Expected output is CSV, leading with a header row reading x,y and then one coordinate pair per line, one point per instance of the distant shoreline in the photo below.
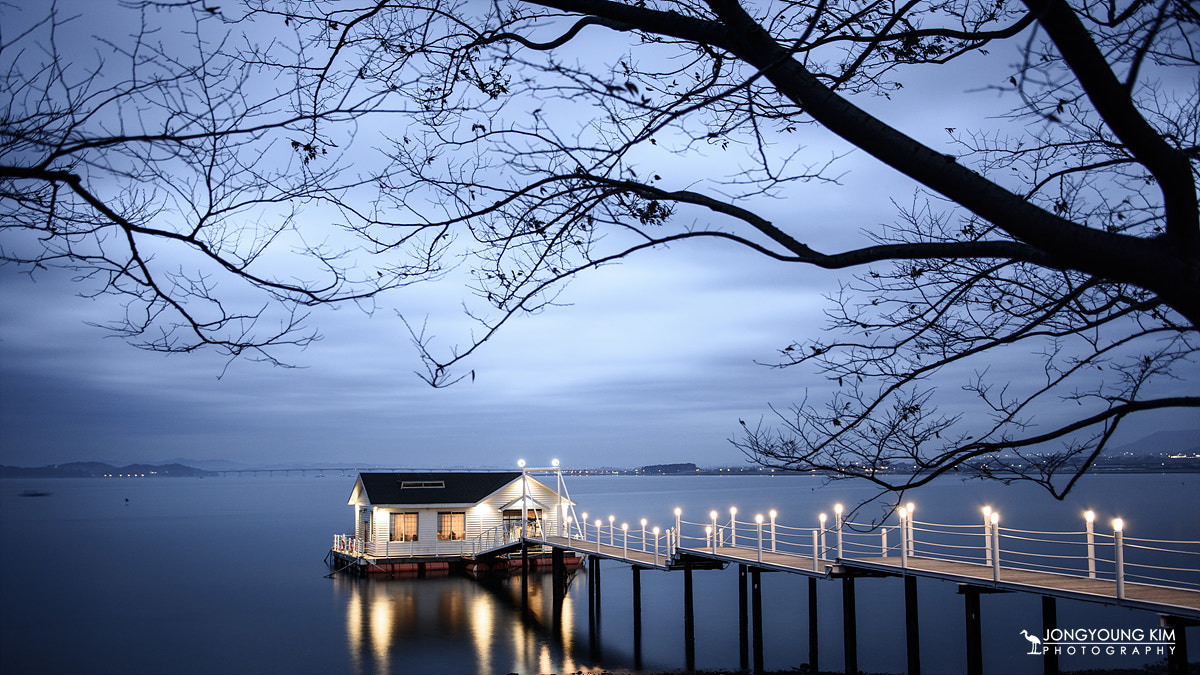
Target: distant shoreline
x,y
1187,465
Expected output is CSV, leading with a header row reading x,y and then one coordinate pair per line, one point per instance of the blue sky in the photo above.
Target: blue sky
x,y
653,360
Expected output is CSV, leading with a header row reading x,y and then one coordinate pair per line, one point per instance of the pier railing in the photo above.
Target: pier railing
x,y
1111,556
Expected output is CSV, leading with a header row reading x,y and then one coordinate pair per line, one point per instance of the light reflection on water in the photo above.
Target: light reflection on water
x,y
452,624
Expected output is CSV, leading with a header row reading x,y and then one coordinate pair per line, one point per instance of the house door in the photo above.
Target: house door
x,y
512,523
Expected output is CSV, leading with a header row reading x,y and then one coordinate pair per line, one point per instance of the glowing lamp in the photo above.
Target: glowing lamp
x,y
1118,525
1089,516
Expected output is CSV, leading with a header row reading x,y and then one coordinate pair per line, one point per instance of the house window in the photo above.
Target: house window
x,y
452,525
404,527
413,484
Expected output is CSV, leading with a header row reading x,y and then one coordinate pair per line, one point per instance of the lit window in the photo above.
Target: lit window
x,y
452,525
404,527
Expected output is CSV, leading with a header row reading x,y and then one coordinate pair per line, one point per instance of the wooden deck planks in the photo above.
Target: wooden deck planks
x,y
1154,598
1172,601
784,562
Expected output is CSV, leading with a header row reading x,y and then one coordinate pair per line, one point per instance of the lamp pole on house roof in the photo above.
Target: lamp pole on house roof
x,y
524,492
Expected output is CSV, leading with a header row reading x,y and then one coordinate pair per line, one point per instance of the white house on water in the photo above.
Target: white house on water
x,y
428,520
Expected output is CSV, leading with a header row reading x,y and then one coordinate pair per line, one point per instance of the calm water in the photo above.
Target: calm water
x,y
226,575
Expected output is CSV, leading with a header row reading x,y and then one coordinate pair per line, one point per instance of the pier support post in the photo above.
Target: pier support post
x,y
559,568
594,606
1177,658
849,625
524,575
689,622
743,620
637,617
596,588
1049,623
813,654
911,626
756,595
974,630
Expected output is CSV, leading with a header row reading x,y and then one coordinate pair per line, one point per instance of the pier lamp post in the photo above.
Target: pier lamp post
x,y
562,508
758,519
612,530
708,534
1119,547
655,531
733,526
773,514
824,548
568,519
678,529
912,544
625,540
713,515
598,531
903,513
644,535
837,513
995,518
524,517
987,534
1089,518
583,523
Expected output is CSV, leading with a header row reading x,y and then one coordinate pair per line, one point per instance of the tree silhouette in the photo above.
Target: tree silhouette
x,y
539,139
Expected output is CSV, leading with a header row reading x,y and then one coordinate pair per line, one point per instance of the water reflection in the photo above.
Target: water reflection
x,y
454,624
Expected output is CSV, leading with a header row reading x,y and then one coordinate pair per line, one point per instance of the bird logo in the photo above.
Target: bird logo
x,y
1035,643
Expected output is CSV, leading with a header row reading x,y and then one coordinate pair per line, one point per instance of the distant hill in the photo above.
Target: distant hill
x,y
100,470
1160,442
668,468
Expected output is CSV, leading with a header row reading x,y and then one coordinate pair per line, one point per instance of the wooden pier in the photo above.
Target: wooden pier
x,y
831,552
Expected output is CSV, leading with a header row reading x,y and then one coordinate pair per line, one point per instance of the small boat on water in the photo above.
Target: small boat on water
x,y
35,493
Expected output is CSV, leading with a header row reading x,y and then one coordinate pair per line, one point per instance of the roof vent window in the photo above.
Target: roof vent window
x,y
404,485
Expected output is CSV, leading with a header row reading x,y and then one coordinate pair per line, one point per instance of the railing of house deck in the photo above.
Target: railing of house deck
x,y
490,539
349,544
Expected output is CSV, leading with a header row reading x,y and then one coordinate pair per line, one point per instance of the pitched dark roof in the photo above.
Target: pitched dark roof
x,y
460,488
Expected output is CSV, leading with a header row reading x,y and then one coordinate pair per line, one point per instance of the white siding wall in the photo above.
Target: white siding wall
x,y
480,518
